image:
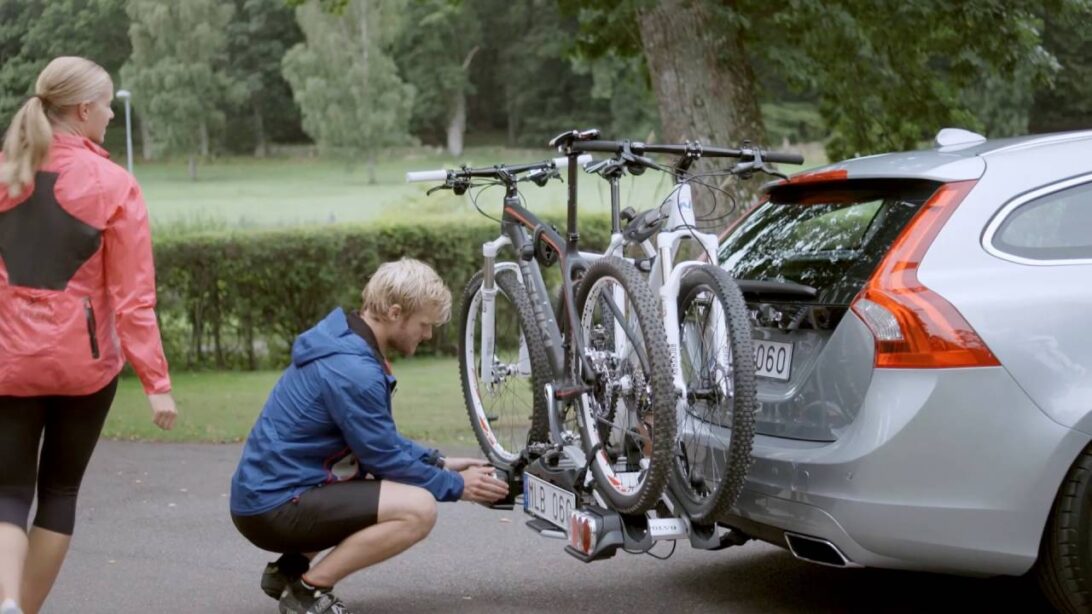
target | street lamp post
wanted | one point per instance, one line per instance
(126, 95)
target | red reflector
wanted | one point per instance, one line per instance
(817, 177)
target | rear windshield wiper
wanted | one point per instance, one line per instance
(774, 290)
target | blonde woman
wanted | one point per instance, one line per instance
(325, 467)
(77, 294)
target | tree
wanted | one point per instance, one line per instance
(621, 83)
(887, 73)
(345, 82)
(260, 34)
(1066, 104)
(529, 84)
(434, 55)
(178, 72)
(34, 32)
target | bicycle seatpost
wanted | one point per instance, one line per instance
(563, 142)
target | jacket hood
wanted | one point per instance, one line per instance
(330, 336)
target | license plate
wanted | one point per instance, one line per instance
(542, 499)
(773, 359)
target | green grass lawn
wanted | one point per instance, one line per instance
(251, 192)
(222, 407)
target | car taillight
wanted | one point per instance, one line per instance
(915, 327)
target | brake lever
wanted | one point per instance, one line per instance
(596, 168)
(439, 187)
(769, 170)
(743, 170)
(746, 170)
(542, 177)
(635, 164)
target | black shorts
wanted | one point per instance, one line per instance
(318, 519)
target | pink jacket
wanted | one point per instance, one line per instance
(77, 283)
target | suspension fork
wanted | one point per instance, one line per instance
(489, 306)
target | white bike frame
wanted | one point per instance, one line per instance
(666, 279)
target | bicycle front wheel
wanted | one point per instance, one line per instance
(627, 422)
(506, 401)
(716, 426)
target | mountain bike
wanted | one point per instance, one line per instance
(574, 378)
(705, 318)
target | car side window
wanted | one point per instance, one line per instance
(1057, 226)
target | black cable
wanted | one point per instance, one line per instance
(713, 189)
(474, 196)
(674, 544)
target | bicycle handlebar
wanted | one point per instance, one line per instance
(747, 153)
(493, 171)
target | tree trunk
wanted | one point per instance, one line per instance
(204, 136)
(704, 86)
(248, 336)
(193, 167)
(371, 168)
(197, 333)
(513, 120)
(456, 128)
(261, 146)
(146, 148)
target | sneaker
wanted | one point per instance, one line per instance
(281, 572)
(274, 580)
(300, 598)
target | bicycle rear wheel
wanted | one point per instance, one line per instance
(627, 422)
(716, 428)
(508, 411)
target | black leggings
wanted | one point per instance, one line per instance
(72, 426)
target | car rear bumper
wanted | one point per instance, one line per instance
(942, 470)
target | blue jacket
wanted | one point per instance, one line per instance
(329, 419)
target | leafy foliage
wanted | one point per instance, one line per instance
(886, 73)
(239, 299)
(259, 35)
(346, 84)
(178, 70)
(34, 32)
(434, 55)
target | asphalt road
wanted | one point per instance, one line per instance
(154, 535)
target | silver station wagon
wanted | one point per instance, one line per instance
(923, 332)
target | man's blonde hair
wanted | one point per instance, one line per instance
(409, 283)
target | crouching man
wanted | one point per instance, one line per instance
(325, 467)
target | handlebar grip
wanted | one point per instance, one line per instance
(563, 161)
(412, 176)
(782, 157)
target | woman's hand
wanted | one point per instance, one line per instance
(163, 410)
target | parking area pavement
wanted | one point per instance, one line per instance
(154, 535)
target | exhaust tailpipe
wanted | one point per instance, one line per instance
(816, 550)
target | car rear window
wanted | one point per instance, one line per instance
(827, 236)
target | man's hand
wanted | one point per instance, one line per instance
(163, 410)
(459, 463)
(480, 486)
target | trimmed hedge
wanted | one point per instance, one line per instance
(238, 299)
